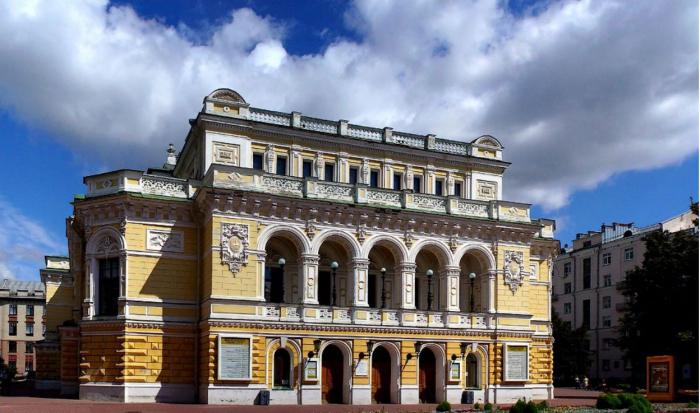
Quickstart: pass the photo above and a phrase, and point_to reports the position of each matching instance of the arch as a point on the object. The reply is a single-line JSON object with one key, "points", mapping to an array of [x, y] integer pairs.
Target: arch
{"points": [[438, 353], [346, 364], [488, 140], [347, 239], [444, 255], [294, 234], [295, 352], [282, 368], [395, 373], [483, 254], [226, 94], [100, 242], [395, 245]]}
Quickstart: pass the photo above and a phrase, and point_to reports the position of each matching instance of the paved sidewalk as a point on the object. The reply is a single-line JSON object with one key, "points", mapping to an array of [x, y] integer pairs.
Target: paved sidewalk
{"points": [[564, 397]]}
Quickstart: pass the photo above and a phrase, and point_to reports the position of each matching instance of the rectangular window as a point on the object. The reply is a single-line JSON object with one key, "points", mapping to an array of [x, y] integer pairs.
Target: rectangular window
{"points": [[416, 184], [607, 280], [516, 362], [30, 310], [438, 186], [567, 269], [629, 254], [606, 365], [586, 244], [306, 168], [567, 288], [353, 175], [607, 301], [258, 161], [234, 358], [458, 189], [567, 308], [108, 287], [587, 314], [607, 322], [30, 329], [13, 347], [329, 172], [607, 258], [12, 327], [29, 347], [608, 343], [586, 273], [29, 366], [374, 179], [281, 165], [397, 182], [13, 309]]}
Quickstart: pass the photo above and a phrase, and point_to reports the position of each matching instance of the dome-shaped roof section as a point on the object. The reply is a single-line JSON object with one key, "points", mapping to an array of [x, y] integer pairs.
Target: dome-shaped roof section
{"points": [[488, 140], [227, 95]]}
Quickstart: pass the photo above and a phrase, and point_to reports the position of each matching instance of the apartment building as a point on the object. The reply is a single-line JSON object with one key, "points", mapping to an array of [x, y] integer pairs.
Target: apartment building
{"points": [[22, 325]]}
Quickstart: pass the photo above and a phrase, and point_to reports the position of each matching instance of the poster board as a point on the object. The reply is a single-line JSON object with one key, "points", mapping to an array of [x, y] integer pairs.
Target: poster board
{"points": [[516, 361], [455, 370], [311, 370], [234, 357], [362, 368], [660, 378]]}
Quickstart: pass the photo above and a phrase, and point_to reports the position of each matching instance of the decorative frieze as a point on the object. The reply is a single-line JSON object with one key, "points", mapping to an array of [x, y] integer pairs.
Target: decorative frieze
{"points": [[234, 245], [166, 241], [164, 186]]}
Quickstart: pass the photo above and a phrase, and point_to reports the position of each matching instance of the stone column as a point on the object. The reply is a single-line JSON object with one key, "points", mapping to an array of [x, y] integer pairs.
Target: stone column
{"points": [[260, 270], [407, 272], [343, 171], [360, 269], [449, 289], [492, 291], [309, 278]]}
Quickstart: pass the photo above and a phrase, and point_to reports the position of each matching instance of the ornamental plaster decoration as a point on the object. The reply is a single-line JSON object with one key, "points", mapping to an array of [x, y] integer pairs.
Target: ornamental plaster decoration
{"points": [[453, 244], [107, 245], [234, 245], [408, 178], [472, 209], [270, 158], [361, 233], [365, 172], [163, 186], [486, 190], [319, 164], [310, 229], [166, 241], [408, 238], [513, 269], [226, 153]]}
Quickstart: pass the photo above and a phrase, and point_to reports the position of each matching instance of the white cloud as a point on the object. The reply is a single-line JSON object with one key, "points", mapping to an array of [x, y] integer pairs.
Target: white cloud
{"points": [[578, 92], [23, 244]]}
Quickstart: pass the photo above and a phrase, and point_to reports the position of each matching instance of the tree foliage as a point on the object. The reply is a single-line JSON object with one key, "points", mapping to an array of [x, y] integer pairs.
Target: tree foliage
{"points": [[661, 311], [570, 351]]}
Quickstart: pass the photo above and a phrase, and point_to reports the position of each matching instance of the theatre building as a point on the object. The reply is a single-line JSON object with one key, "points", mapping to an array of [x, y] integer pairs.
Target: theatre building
{"points": [[288, 259]]}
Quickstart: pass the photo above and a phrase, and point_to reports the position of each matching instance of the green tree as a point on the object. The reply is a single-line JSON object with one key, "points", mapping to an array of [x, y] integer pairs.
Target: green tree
{"points": [[570, 352], [661, 311]]}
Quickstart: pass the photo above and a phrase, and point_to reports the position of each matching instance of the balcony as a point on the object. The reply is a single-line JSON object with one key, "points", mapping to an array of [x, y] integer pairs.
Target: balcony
{"points": [[246, 179]]}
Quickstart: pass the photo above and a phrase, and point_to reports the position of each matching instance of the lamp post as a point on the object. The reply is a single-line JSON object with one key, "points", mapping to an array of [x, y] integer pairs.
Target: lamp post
{"points": [[383, 271], [334, 268], [429, 274], [472, 277], [281, 263]]}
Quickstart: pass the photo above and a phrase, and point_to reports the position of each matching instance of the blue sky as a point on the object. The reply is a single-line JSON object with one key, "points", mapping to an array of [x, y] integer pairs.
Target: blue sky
{"points": [[600, 121]]}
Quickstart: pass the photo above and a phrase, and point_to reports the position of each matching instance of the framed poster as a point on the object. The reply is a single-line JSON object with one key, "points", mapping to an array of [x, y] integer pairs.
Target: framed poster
{"points": [[311, 370], [660, 375], [456, 370], [658, 382], [234, 357], [516, 362], [362, 368]]}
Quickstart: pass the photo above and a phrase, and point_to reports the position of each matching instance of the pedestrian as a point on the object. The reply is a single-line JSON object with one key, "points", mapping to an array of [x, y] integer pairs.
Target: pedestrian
{"points": [[577, 382], [585, 382]]}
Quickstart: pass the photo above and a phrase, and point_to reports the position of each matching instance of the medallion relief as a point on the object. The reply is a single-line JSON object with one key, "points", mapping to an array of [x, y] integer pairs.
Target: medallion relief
{"points": [[234, 245], [513, 269]]}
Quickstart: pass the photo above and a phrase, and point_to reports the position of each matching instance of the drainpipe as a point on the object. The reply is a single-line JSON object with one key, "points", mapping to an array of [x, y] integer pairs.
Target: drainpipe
{"points": [[597, 312], [197, 314]]}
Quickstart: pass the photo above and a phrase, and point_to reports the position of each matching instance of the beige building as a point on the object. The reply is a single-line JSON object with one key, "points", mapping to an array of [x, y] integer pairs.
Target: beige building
{"points": [[288, 259], [585, 281], [21, 323]]}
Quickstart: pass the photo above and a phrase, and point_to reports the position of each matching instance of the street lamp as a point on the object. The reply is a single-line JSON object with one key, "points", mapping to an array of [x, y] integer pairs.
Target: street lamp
{"points": [[334, 268], [383, 271], [429, 274], [463, 349], [281, 263], [472, 277]]}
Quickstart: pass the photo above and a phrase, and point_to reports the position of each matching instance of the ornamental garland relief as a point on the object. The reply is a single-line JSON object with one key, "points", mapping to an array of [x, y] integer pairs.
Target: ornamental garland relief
{"points": [[513, 269], [167, 241], [234, 246]]}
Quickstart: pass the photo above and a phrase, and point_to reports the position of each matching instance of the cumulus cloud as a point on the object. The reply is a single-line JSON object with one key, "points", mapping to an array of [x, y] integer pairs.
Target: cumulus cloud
{"points": [[577, 92], [23, 243]]}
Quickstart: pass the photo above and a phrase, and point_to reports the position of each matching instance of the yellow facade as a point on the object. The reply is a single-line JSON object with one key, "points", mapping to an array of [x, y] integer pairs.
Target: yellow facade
{"points": [[214, 279]]}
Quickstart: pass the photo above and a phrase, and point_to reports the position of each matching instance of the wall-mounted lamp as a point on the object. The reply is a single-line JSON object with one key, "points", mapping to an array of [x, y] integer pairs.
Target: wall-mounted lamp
{"points": [[317, 346], [370, 346], [454, 357], [463, 348], [416, 346]]}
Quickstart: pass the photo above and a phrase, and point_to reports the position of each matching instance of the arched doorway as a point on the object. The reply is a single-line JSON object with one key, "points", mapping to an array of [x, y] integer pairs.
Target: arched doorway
{"points": [[430, 265], [473, 282], [332, 375], [472, 371], [335, 287], [427, 382], [281, 281], [384, 290], [282, 372], [381, 376]]}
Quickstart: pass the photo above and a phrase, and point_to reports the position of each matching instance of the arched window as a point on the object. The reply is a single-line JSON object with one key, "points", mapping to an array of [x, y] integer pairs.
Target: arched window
{"points": [[472, 371], [282, 369]]}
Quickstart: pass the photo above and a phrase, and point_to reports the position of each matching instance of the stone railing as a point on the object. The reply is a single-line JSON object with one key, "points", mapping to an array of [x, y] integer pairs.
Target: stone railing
{"points": [[343, 128], [374, 316], [221, 176], [165, 186], [126, 180]]}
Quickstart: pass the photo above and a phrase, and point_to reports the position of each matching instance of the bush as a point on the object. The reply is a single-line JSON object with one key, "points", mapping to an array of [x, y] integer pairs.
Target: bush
{"points": [[692, 405], [444, 406], [608, 401], [543, 405], [640, 405], [477, 406], [488, 407], [532, 407]]}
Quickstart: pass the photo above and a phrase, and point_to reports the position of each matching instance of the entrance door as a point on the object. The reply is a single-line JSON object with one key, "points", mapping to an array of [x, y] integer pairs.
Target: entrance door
{"points": [[332, 375], [381, 376], [426, 377]]}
